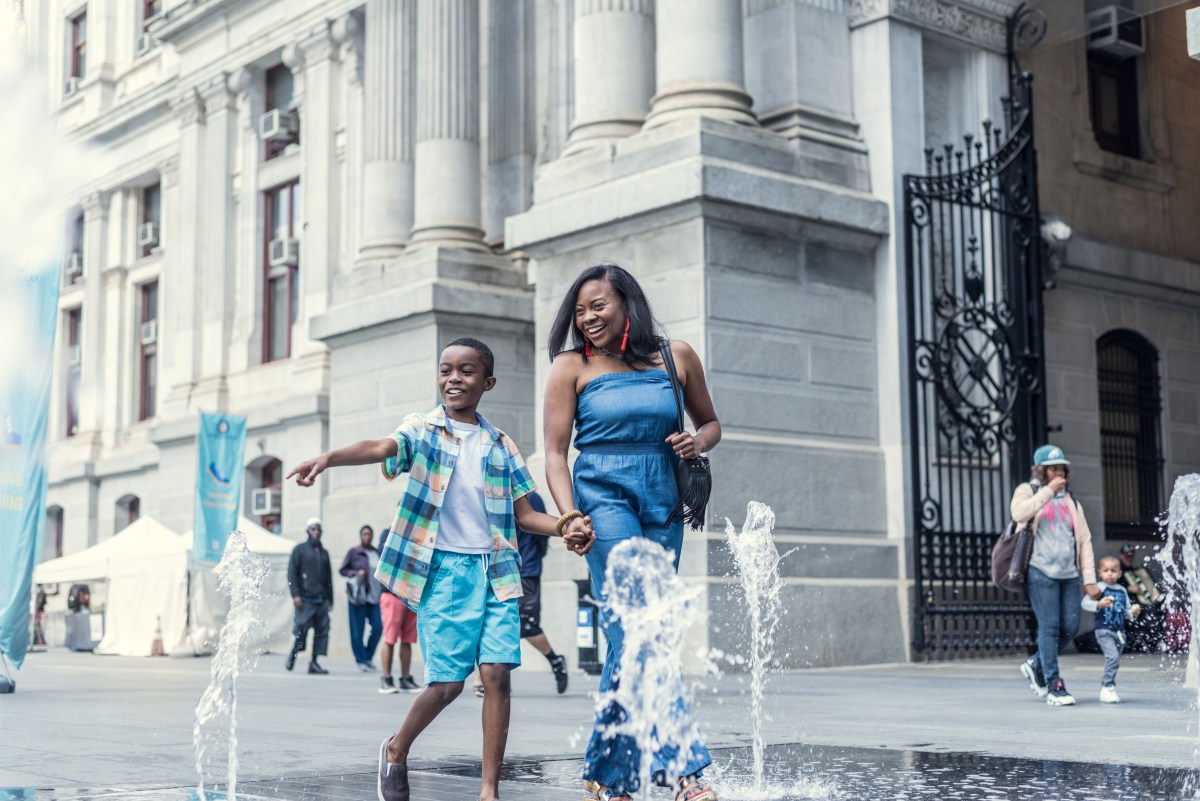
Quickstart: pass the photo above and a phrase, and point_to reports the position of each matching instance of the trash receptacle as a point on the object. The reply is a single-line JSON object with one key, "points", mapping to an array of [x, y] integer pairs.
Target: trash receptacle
{"points": [[587, 630]]}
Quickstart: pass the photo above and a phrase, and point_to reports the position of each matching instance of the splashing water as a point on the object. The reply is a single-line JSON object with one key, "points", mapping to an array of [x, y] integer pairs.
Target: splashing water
{"points": [[655, 608], [757, 561], [240, 575], [1180, 557]]}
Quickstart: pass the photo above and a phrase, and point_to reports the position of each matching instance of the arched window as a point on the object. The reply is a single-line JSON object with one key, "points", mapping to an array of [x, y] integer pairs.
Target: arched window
{"points": [[52, 537], [129, 509], [264, 481], [1130, 446]]}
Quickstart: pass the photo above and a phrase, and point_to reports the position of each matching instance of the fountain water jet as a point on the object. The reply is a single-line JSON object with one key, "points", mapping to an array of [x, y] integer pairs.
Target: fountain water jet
{"points": [[757, 561], [239, 575]]}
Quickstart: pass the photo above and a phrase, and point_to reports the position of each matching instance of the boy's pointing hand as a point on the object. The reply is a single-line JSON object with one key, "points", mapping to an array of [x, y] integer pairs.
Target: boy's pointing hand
{"points": [[306, 472]]}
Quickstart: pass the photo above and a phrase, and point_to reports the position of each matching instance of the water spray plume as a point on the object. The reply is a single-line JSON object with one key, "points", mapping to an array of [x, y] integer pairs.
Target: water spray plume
{"points": [[240, 575], [655, 609]]}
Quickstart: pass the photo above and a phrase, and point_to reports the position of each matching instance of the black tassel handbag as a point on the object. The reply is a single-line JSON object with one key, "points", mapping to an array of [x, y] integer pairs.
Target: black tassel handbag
{"points": [[692, 476]]}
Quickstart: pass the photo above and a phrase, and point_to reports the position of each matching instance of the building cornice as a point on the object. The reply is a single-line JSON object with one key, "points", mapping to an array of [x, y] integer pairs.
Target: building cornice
{"points": [[979, 22]]}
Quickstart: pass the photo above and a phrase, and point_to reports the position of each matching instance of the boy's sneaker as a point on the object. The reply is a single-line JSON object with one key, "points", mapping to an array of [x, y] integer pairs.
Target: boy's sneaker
{"points": [[1058, 695], [392, 784], [1108, 694], [1032, 670], [478, 690], [387, 685], [409, 685], [558, 663]]}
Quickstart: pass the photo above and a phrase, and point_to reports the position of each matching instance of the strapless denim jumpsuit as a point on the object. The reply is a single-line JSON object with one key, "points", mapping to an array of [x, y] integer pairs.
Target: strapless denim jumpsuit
{"points": [[625, 479]]}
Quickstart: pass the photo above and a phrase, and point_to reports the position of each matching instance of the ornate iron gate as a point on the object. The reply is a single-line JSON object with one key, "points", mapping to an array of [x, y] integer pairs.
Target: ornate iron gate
{"points": [[977, 408]]}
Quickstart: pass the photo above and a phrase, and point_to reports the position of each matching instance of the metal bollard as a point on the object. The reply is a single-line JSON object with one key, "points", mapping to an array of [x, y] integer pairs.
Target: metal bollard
{"points": [[587, 630]]}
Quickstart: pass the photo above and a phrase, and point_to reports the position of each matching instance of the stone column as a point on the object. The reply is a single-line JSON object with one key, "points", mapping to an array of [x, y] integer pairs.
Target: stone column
{"points": [[311, 57], [217, 268], [614, 69], [95, 247], [390, 104], [246, 334], [699, 62], [178, 316], [347, 31], [447, 212]]}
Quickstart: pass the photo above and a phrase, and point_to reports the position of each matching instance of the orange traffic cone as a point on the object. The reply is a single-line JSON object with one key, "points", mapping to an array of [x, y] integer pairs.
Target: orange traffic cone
{"points": [[156, 647]]}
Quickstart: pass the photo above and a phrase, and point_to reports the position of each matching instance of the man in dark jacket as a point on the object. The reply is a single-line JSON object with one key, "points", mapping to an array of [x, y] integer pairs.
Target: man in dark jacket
{"points": [[310, 579], [362, 596]]}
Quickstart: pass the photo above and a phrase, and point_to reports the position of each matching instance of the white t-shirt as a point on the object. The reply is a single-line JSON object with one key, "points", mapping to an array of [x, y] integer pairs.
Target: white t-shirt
{"points": [[463, 526]]}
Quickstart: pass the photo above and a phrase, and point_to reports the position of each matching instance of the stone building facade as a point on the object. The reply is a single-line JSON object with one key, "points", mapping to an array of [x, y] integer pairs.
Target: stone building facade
{"points": [[446, 167]]}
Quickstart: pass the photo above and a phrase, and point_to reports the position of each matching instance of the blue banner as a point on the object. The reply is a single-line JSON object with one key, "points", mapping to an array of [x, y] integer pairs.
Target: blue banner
{"points": [[219, 474], [28, 317]]}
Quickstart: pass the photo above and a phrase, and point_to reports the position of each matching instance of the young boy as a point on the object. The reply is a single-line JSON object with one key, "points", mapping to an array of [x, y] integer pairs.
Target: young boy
{"points": [[1112, 610], [452, 551]]}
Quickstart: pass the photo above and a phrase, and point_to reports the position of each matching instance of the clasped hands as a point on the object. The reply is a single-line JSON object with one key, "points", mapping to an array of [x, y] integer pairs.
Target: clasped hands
{"points": [[578, 535]]}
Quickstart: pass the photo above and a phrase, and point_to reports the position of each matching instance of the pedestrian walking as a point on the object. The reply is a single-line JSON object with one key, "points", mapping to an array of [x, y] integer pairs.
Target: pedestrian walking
{"points": [[1143, 582], [452, 552], [533, 548], [608, 382], [399, 629], [1112, 611], [362, 597], [1061, 567], [310, 580]]}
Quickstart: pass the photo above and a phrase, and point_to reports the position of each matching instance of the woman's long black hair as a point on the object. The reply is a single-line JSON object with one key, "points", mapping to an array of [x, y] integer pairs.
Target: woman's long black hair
{"points": [[645, 332]]}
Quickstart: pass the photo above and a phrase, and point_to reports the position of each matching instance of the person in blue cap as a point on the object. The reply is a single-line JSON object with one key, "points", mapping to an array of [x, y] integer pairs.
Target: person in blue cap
{"points": [[1061, 568]]}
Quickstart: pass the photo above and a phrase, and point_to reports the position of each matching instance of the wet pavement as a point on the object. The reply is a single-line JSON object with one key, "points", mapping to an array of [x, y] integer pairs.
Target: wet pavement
{"points": [[794, 772]]}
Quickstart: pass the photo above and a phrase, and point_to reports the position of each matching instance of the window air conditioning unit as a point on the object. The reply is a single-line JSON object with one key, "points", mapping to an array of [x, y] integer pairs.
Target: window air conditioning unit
{"points": [[145, 43], [1115, 30], [149, 332], [278, 126], [70, 86], [284, 252], [265, 501], [74, 266], [73, 355], [147, 235]]}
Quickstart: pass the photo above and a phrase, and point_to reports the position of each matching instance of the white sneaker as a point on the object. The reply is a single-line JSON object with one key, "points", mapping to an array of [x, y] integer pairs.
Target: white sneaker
{"points": [[1033, 671], [1058, 695], [1108, 695]]}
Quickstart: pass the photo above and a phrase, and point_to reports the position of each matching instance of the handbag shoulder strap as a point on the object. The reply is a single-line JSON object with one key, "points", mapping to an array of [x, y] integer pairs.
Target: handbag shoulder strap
{"points": [[664, 348]]}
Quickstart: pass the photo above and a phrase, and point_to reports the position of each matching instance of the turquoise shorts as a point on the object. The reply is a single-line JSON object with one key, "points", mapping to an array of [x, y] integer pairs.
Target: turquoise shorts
{"points": [[460, 621]]}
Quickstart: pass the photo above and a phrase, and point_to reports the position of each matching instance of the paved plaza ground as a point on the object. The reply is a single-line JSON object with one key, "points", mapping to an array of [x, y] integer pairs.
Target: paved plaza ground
{"points": [[86, 726]]}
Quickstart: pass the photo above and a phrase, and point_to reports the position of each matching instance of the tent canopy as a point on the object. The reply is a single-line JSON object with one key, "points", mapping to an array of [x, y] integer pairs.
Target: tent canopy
{"points": [[144, 538]]}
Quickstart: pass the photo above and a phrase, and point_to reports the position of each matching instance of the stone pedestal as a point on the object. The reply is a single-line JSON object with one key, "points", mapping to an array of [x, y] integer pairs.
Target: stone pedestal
{"points": [[771, 278]]}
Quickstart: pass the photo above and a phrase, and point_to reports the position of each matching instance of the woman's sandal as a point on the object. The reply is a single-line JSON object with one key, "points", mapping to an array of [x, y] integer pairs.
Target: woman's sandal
{"points": [[598, 792], [690, 789]]}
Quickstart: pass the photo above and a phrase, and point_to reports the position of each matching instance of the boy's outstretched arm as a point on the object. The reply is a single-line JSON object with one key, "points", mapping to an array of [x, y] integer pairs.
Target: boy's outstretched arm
{"points": [[369, 451], [577, 534]]}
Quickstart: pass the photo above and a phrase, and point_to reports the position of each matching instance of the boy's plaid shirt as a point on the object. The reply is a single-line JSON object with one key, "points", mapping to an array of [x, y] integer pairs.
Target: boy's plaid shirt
{"points": [[426, 449]]}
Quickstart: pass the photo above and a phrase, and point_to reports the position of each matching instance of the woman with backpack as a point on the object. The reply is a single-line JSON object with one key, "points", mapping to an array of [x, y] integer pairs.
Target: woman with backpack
{"points": [[1061, 567]]}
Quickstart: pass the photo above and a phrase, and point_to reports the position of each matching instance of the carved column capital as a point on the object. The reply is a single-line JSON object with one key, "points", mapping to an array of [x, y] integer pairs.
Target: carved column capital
{"points": [[347, 32], [95, 204], [188, 106], [168, 172]]}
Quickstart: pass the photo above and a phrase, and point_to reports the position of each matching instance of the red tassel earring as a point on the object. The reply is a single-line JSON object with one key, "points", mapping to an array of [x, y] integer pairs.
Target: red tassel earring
{"points": [[587, 348], [625, 339]]}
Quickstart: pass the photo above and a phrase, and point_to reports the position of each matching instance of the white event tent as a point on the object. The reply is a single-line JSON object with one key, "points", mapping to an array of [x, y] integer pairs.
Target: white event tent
{"points": [[154, 585]]}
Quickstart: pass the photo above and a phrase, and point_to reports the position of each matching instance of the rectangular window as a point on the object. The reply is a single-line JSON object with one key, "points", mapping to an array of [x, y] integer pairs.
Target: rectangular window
{"points": [[148, 232], [73, 270], [280, 93], [74, 324], [1113, 96], [281, 269], [150, 10], [78, 65], [148, 348]]}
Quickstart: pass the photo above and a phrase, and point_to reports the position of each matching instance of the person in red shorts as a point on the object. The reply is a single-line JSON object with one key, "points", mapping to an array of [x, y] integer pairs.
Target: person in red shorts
{"points": [[399, 626]]}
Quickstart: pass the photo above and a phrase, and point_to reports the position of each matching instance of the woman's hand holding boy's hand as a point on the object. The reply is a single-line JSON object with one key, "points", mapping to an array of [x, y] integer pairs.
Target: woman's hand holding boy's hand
{"points": [[306, 472], [579, 536]]}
